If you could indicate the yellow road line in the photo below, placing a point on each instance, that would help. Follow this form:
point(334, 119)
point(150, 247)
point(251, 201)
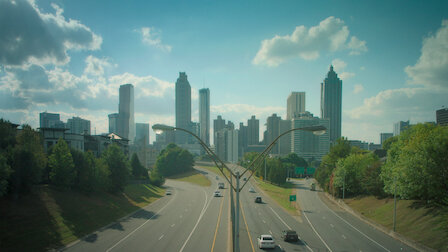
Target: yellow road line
point(217, 224)
point(247, 228)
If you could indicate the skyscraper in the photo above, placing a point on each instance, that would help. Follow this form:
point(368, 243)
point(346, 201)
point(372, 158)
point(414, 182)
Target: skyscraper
point(385, 136)
point(183, 107)
point(400, 127)
point(442, 116)
point(50, 120)
point(126, 125)
point(113, 123)
point(273, 131)
point(331, 103)
point(78, 125)
point(218, 124)
point(253, 131)
point(204, 115)
point(142, 134)
point(295, 104)
point(242, 139)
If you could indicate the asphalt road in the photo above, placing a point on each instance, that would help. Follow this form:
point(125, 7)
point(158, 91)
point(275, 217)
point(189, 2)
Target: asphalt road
point(190, 219)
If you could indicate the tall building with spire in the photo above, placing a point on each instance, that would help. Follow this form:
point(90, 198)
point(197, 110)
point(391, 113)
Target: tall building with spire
point(183, 107)
point(204, 115)
point(331, 103)
point(295, 104)
point(126, 125)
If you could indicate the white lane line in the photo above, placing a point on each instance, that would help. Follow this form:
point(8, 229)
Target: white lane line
point(343, 236)
point(204, 209)
point(264, 221)
point(172, 225)
point(160, 238)
point(270, 232)
point(354, 227)
point(278, 216)
point(124, 238)
point(323, 217)
point(259, 213)
point(181, 216)
point(331, 225)
point(306, 217)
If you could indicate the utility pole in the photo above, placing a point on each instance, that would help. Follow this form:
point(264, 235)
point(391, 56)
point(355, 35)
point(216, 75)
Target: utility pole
point(343, 188)
point(237, 215)
point(395, 201)
point(264, 178)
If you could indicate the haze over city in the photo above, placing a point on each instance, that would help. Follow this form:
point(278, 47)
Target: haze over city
point(71, 57)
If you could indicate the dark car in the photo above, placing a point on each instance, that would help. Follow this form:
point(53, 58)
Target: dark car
point(258, 199)
point(290, 235)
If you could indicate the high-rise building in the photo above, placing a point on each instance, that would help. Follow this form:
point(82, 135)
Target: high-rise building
point(385, 136)
point(183, 107)
point(204, 115)
point(78, 125)
point(113, 123)
point(285, 141)
point(304, 143)
point(126, 125)
point(50, 120)
point(442, 116)
point(253, 131)
point(295, 104)
point(272, 132)
point(227, 145)
point(400, 127)
point(142, 134)
point(218, 124)
point(331, 103)
point(242, 139)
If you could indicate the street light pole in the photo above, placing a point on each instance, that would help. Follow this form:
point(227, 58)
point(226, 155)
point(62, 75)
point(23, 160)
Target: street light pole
point(237, 214)
point(395, 201)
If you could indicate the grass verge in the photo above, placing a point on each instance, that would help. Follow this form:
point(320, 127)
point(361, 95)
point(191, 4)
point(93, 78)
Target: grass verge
point(49, 218)
point(280, 194)
point(414, 220)
point(215, 170)
point(194, 177)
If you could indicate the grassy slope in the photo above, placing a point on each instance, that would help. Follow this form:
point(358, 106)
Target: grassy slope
point(413, 219)
point(280, 194)
point(194, 177)
point(50, 218)
point(214, 169)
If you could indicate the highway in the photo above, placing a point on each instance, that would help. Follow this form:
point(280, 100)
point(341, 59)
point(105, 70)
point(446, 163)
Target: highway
point(190, 219)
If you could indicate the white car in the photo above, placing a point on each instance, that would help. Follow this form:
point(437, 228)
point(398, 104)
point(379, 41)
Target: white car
point(266, 241)
point(217, 194)
point(252, 190)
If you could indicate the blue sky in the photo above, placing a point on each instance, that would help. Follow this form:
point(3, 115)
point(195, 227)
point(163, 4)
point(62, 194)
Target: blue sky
point(70, 57)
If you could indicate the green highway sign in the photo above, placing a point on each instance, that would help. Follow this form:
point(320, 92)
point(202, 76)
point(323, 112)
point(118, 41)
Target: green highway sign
point(292, 197)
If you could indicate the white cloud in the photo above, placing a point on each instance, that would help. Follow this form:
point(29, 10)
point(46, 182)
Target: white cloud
point(358, 88)
point(95, 66)
point(40, 38)
point(431, 68)
point(151, 36)
point(339, 67)
point(330, 35)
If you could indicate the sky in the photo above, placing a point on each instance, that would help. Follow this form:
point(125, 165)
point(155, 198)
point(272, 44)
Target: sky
point(70, 57)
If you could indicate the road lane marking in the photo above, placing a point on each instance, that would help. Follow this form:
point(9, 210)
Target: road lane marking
point(343, 236)
point(264, 221)
point(323, 217)
point(181, 216)
point(172, 225)
point(270, 232)
point(331, 225)
point(124, 238)
point(306, 217)
point(354, 227)
point(247, 228)
point(160, 238)
point(217, 224)
point(204, 209)
point(259, 213)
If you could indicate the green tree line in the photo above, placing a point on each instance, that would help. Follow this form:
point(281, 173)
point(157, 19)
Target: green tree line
point(173, 160)
point(416, 166)
point(24, 163)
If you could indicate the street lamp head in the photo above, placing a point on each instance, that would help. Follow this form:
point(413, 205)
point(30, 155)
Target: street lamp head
point(159, 128)
point(317, 130)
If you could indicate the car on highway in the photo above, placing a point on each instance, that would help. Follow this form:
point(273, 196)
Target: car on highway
point(258, 199)
point(221, 185)
point(266, 241)
point(217, 194)
point(244, 179)
point(168, 192)
point(290, 235)
point(252, 190)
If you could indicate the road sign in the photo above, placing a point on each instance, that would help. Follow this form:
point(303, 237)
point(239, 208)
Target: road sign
point(292, 197)
point(299, 170)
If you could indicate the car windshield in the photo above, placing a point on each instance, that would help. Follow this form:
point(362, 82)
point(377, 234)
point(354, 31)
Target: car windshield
point(108, 107)
point(267, 238)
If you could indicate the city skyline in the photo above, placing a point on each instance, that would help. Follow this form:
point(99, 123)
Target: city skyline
point(393, 65)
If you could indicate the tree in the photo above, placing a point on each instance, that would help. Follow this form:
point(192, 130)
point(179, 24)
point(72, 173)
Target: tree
point(156, 179)
point(173, 160)
point(138, 170)
point(277, 172)
point(418, 163)
point(118, 166)
point(62, 168)
point(340, 150)
point(5, 172)
point(27, 161)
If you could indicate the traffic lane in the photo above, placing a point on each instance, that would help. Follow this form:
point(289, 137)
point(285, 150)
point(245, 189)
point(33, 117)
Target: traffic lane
point(223, 232)
point(170, 229)
point(263, 218)
point(104, 238)
point(342, 226)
